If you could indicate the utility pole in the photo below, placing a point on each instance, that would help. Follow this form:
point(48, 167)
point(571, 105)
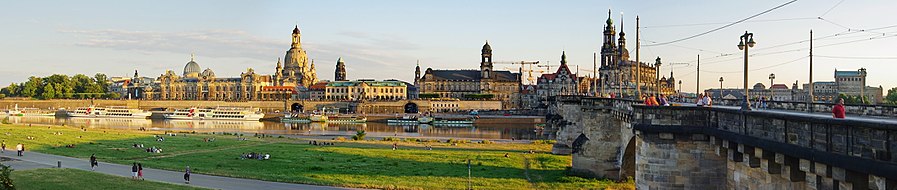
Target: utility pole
point(810, 101)
point(638, 65)
point(698, 81)
point(594, 74)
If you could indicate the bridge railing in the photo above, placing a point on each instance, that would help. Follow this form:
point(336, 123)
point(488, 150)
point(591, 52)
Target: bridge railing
point(866, 145)
point(854, 109)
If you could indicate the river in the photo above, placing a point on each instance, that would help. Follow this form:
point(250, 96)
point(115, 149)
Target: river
point(373, 129)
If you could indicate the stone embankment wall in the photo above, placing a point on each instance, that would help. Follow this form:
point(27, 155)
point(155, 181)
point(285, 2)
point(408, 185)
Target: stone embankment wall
point(267, 106)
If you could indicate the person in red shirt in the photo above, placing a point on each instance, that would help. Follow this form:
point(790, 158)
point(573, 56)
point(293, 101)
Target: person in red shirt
point(838, 109)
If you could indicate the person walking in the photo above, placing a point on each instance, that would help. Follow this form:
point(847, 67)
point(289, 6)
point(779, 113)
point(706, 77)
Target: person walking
point(707, 102)
point(663, 100)
point(134, 171)
point(93, 162)
point(187, 175)
point(139, 171)
point(700, 100)
point(3, 147)
point(838, 109)
point(19, 148)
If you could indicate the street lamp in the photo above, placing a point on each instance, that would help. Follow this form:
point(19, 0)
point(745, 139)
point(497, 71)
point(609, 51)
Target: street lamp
point(680, 87)
point(720, 88)
point(772, 93)
point(746, 42)
point(657, 75)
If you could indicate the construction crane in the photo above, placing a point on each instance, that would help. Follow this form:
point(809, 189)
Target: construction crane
point(529, 71)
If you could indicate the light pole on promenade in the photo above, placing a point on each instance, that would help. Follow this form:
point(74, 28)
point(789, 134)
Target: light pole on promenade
point(747, 41)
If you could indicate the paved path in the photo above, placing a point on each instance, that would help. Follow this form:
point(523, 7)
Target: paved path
point(40, 160)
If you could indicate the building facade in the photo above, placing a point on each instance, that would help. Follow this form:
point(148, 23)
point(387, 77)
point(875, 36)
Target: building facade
point(461, 84)
point(365, 90)
point(850, 83)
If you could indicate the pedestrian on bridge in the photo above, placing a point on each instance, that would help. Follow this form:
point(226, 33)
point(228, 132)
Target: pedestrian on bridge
point(838, 109)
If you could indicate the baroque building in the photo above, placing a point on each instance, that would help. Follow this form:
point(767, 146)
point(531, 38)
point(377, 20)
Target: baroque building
point(619, 75)
point(194, 83)
point(561, 82)
point(471, 84)
point(296, 70)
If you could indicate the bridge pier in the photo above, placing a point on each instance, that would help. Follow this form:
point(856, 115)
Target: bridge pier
point(721, 148)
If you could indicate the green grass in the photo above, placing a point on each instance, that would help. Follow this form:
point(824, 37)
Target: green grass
point(365, 164)
point(49, 178)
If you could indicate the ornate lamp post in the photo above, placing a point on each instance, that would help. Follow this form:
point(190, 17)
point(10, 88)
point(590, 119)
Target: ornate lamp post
point(720, 89)
point(772, 93)
point(747, 41)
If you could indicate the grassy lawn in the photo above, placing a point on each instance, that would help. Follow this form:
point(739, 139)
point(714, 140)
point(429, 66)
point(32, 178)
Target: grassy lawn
point(367, 164)
point(49, 178)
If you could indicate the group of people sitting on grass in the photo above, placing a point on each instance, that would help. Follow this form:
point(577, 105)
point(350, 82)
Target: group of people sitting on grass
point(70, 146)
point(320, 143)
point(137, 145)
point(154, 150)
point(57, 133)
point(257, 156)
point(208, 139)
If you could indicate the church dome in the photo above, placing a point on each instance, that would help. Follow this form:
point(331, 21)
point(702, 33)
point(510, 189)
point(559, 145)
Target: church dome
point(208, 72)
point(191, 68)
point(487, 48)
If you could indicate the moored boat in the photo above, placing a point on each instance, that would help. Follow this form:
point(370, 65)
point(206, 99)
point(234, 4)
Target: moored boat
point(109, 112)
point(345, 119)
point(219, 113)
point(29, 112)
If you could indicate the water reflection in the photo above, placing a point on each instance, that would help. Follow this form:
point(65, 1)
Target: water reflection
point(497, 131)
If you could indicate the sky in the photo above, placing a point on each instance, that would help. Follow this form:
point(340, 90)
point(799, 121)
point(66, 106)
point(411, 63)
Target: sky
point(384, 39)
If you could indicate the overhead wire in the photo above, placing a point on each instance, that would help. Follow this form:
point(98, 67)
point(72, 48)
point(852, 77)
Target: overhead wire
point(725, 26)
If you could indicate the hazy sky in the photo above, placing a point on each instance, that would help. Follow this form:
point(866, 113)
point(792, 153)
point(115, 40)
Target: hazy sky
point(383, 39)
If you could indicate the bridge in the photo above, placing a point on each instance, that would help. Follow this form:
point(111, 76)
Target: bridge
point(690, 147)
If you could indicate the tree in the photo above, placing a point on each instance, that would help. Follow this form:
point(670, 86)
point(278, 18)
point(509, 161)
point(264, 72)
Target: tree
point(49, 92)
point(5, 180)
point(892, 95)
point(11, 91)
point(101, 80)
point(82, 83)
point(32, 88)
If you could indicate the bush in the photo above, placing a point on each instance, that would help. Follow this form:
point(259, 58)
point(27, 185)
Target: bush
point(459, 141)
point(411, 140)
point(6, 120)
point(359, 136)
point(340, 138)
point(544, 141)
point(5, 181)
point(486, 142)
point(391, 139)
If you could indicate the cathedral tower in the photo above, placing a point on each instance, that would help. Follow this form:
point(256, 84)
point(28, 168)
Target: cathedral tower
point(340, 74)
point(296, 70)
point(486, 62)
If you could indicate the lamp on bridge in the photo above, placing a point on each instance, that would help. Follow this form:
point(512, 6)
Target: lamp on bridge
point(720, 89)
point(747, 41)
point(772, 93)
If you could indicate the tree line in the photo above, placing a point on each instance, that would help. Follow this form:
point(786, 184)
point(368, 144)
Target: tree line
point(59, 86)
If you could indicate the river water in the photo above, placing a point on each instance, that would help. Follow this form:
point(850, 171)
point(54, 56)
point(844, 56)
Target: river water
point(373, 129)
